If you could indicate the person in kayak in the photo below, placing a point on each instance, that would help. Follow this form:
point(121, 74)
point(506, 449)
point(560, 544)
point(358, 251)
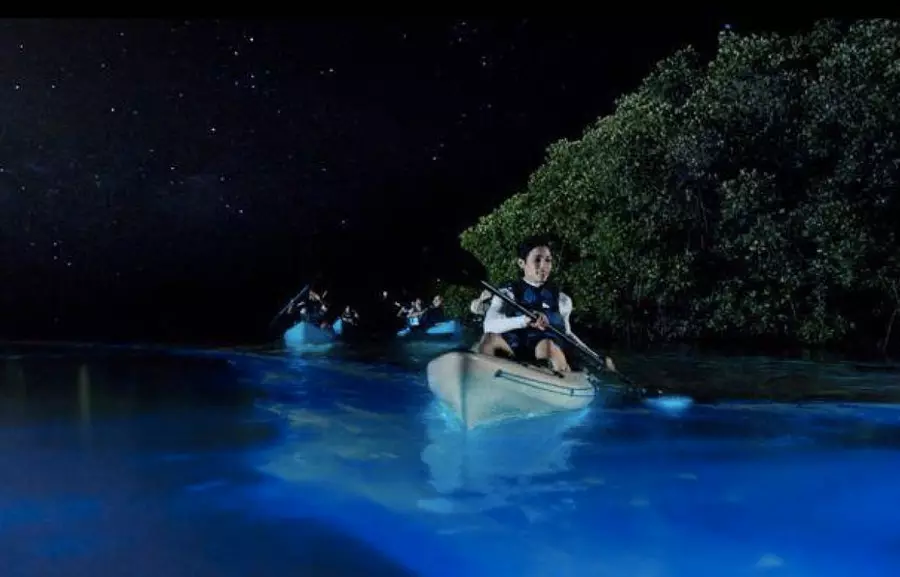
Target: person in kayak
point(414, 313)
point(507, 332)
point(434, 313)
point(350, 316)
point(312, 309)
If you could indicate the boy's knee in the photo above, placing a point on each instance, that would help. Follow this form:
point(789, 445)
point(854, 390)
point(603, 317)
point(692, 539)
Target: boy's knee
point(489, 338)
point(490, 342)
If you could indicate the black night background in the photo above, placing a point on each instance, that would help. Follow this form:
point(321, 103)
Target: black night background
point(178, 180)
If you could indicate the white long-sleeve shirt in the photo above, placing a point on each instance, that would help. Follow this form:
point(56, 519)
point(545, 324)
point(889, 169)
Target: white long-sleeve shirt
point(497, 322)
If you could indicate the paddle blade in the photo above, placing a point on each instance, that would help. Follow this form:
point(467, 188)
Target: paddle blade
point(674, 404)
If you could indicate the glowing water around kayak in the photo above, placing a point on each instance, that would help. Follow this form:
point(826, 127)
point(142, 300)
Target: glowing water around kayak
point(126, 463)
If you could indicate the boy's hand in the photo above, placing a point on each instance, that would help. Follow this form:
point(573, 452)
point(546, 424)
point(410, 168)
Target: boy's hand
point(540, 323)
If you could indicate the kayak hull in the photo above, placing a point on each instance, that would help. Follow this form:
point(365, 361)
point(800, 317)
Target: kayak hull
point(481, 389)
point(306, 334)
point(451, 328)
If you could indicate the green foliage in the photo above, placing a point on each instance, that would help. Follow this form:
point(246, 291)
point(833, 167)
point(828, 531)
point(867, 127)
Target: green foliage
point(457, 299)
point(751, 195)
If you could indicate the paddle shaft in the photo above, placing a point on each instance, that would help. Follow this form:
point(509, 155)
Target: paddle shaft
point(568, 338)
point(288, 305)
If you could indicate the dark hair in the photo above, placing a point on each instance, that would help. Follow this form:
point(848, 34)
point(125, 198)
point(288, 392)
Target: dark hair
point(531, 243)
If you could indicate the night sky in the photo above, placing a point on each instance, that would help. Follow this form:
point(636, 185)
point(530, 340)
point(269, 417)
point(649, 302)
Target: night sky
point(178, 180)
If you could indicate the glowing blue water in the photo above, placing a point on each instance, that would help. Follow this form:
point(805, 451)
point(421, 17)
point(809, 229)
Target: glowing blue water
point(292, 466)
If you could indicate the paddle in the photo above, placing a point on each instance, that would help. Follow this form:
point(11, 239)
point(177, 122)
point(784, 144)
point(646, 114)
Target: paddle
point(671, 403)
point(289, 304)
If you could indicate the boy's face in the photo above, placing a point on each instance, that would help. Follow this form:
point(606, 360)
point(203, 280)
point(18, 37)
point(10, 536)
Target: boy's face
point(537, 266)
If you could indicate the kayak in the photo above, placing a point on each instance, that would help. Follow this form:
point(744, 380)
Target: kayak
point(445, 328)
point(451, 327)
point(482, 388)
point(305, 334)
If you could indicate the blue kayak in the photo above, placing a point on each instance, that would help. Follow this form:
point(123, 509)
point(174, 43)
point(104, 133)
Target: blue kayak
point(451, 328)
point(305, 334)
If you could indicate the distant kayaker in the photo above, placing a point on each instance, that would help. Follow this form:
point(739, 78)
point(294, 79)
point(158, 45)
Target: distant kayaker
point(507, 332)
point(434, 313)
point(312, 309)
point(413, 313)
point(350, 316)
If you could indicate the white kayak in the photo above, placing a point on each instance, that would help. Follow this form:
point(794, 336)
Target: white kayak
point(305, 334)
point(482, 388)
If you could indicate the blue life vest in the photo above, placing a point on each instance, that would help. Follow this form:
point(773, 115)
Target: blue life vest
point(543, 299)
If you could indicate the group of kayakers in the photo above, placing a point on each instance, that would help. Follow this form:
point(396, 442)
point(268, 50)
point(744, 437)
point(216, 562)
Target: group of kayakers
point(419, 315)
point(312, 306)
point(506, 330)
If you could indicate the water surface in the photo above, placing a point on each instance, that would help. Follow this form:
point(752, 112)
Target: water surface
point(148, 462)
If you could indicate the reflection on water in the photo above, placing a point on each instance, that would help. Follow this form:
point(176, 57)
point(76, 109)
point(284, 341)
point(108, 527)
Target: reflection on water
point(122, 465)
point(494, 463)
point(739, 488)
point(221, 463)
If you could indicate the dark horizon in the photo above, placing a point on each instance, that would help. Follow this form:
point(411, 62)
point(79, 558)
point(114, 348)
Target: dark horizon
point(172, 181)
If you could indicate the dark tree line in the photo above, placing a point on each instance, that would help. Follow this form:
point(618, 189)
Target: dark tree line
point(754, 195)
